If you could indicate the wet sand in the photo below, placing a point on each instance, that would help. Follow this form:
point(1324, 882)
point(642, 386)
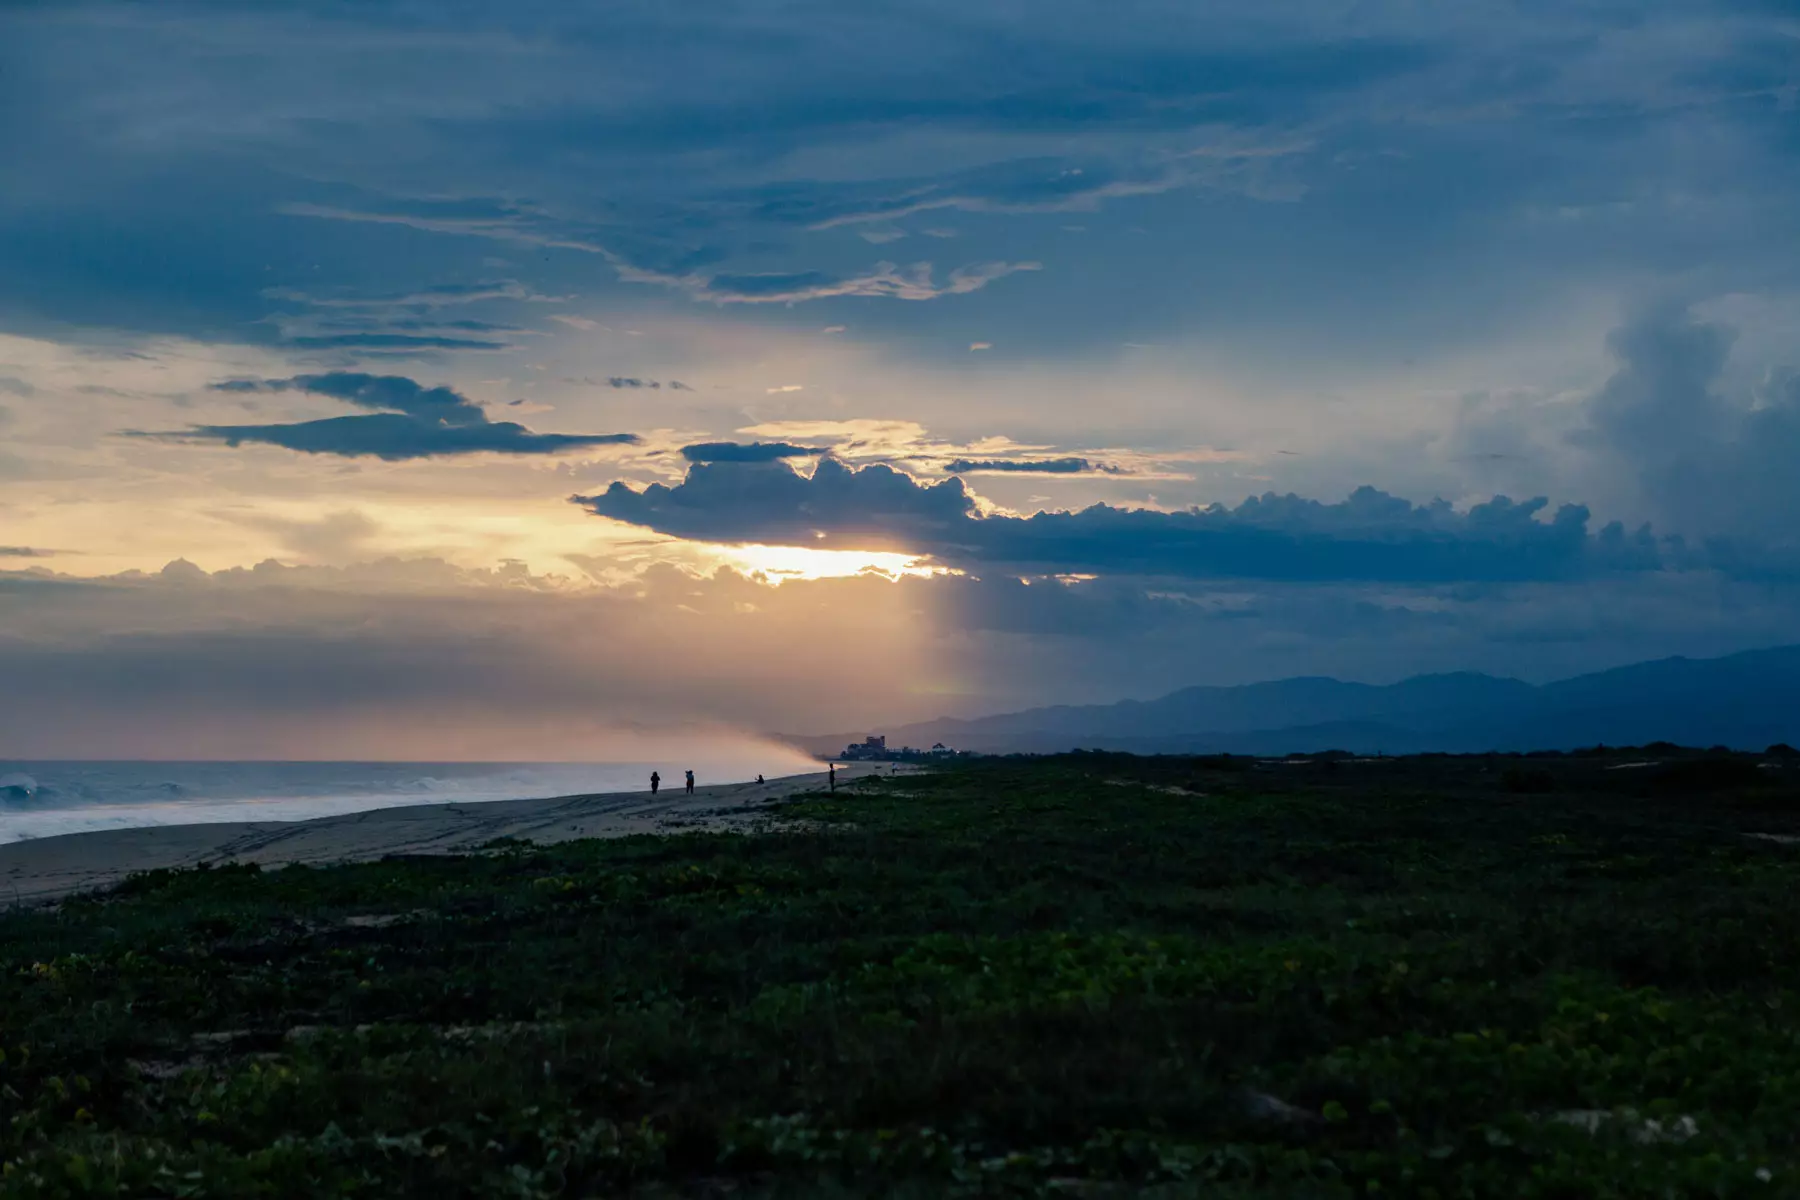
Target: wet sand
point(45, 869)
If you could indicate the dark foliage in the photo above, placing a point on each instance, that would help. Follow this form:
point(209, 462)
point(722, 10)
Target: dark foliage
point(1525, 782)
point(1714, 773)
point(1089, 976)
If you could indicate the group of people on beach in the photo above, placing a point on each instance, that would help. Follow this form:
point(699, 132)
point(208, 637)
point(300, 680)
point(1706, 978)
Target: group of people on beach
point(656, 782)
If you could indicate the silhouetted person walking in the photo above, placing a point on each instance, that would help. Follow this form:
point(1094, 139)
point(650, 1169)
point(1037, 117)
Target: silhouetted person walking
point(655, 782)
point(690, 781)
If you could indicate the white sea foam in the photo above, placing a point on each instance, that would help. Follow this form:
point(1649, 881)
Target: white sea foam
point(43, 799)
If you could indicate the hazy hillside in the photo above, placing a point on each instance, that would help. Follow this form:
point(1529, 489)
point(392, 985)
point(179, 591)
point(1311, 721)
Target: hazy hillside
point(1745, 700)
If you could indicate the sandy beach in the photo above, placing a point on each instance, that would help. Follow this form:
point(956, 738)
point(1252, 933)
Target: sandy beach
point(45, 869)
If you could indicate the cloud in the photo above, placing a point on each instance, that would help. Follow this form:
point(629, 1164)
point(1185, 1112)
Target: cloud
point(412, 421)
point(423, 660)
point(625, 381)
point(885, 279)
point(753, 452)
point(24, 552)
point(1472, 175)
point(437, 296)
point(397, 438)
point(505, 225)
point(1660, 403)
point(1043, 466)
point(1719, 464)
point(876, 508)
point(334, 537)
point(391, 341)
point(1371, 536)
point(865, 436)
point(384, 393)
point(465, 325)
point(17, 387)
point(915, 282)
point(1039, 191)
point(747, 145)
point(399, 321)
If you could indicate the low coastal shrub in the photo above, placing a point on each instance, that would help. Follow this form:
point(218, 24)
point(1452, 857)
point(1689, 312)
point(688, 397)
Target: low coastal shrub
point(1527, 782)
point(1082, 976)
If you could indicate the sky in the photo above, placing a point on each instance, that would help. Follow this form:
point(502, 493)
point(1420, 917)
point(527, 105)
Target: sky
point(467, 379)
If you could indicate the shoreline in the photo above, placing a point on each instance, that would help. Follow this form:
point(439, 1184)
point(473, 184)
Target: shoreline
point(43, 870)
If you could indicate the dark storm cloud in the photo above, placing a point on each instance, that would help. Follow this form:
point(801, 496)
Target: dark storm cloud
point(633, 383)
point(410, 421)
point(734, 160)
point(746, 452)
point(1021, 81)
point(395, 438)
point(1369, 536)
point(1025, 466)
point(874, 508)
point(385, 393)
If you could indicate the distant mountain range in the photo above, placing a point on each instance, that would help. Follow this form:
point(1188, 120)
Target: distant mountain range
point(1746, 701)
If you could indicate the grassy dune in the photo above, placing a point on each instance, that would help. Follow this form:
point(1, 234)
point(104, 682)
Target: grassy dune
point(1085, 976)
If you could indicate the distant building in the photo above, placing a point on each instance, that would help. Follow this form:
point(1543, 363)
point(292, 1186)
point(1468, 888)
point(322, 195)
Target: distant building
point(874, 748)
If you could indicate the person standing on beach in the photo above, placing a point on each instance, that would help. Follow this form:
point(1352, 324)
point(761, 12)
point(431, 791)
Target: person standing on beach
point(690, 782)
point(834, 777)
point(655, 782)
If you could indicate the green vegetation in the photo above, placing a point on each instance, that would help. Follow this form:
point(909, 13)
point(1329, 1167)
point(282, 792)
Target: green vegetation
point(1085, 976)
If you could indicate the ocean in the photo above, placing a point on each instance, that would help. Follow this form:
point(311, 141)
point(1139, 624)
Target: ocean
point(43, 799)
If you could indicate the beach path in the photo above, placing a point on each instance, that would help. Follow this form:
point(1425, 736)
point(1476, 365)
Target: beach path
point(45, 869)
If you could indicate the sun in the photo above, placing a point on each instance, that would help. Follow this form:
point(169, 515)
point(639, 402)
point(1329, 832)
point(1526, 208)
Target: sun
point(779, 563)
